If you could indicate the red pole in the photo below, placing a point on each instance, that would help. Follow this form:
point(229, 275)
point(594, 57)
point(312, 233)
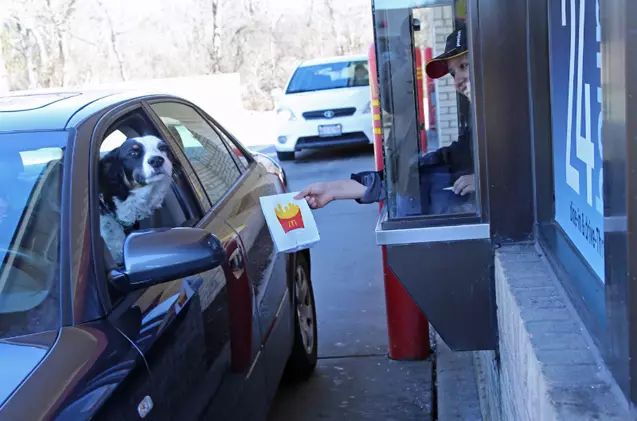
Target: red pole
point(431, 91)
point(407, 327)
point(421, 100)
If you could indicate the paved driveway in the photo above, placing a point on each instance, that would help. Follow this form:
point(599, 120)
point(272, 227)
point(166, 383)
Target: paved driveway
point(354, 379)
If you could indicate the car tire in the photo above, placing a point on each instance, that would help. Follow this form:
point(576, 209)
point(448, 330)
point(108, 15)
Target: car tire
point(285, 156)
point(302, 361)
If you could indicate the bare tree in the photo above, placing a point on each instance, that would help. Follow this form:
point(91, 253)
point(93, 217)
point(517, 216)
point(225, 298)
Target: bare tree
point(114, 41)
point(46, 43)
point(215, 45)
point(60, 23)
point(5, 83)
point(331, 13)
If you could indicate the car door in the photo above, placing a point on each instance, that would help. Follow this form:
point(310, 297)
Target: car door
point(181, 327)
point(234, 190)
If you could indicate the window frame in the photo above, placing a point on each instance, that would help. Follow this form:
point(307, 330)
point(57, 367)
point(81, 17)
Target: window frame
point(456, 222)
point(585, 289)
point(605, 307)
point(194, 178)
point(101, 130)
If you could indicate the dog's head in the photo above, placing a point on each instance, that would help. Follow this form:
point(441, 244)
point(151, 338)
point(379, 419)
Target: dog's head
point(138, 162)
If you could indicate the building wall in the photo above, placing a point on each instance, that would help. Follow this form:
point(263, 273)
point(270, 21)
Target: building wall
point(548, 367)
point(446, 99)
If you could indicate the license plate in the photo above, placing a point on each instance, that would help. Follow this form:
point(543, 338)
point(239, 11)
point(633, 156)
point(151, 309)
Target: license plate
point(330, 130)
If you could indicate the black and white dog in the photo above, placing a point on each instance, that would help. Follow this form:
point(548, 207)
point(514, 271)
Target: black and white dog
point(134, 180)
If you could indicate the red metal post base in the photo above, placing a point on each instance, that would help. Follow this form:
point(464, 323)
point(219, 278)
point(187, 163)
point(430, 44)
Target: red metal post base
point(407, 326)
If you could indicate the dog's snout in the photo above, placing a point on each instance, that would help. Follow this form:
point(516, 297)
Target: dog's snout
point(156, 161)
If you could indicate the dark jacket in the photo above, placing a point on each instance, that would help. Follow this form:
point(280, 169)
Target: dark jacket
point(455, 159)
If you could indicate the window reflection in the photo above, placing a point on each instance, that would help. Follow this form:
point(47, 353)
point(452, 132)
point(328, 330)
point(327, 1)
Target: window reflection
point(425, 97)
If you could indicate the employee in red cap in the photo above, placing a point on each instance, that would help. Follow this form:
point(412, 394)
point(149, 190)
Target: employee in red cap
point(456, 159)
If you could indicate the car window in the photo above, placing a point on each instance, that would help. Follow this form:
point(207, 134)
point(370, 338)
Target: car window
point(131, 145)
point(30, 190)
point(321, 77)
point(210, 158)
point(239, 157)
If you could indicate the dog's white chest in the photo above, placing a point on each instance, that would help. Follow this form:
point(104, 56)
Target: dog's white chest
point(141, 203)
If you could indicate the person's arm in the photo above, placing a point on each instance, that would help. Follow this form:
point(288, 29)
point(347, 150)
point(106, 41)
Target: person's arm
point(364, 187)
point(374, 182)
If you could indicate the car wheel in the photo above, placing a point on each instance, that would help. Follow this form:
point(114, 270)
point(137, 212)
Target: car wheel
point(305, 349)
point(285, 156)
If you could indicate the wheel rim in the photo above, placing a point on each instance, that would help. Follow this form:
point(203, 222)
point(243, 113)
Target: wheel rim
point(305, 309)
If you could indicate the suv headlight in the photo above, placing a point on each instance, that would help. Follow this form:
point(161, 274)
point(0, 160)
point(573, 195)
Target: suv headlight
point(368, 108)
point(285, 114)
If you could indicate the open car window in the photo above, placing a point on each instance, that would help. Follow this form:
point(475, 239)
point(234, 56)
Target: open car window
point(31, 168)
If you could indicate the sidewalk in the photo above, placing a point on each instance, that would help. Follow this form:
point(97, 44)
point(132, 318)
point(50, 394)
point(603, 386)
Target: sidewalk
point(456, 385)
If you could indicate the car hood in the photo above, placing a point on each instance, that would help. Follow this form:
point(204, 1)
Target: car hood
point(328, 99)
point(19, 357)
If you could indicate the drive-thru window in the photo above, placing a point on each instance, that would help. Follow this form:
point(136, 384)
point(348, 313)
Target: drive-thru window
point(540, 136)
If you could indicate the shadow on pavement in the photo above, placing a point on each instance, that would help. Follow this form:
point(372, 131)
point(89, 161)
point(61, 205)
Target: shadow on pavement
point(318, 155)
point(359, 389)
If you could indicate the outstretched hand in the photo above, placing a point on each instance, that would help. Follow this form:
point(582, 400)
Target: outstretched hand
point(319, 195)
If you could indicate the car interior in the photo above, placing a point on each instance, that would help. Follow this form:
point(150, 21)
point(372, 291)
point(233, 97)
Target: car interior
point(29, 245)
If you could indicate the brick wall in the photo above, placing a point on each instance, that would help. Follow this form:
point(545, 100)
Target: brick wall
point(549, 368)
point(446, 100)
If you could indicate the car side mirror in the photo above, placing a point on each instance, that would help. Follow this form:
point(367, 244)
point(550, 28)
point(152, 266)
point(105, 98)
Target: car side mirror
point(162, 255)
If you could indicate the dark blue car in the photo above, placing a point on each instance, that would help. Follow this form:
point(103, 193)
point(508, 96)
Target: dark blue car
point(203, 318)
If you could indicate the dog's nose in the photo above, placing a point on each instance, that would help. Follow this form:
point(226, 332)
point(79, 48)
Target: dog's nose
point(156, 161)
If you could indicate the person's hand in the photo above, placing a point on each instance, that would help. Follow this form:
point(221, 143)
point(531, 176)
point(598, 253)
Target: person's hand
point(465, 185)
point(320, 194)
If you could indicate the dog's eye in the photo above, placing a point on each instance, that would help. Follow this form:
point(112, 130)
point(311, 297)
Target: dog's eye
point(135, 152)
point(163, 148)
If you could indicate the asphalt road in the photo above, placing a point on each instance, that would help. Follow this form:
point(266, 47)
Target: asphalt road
point(354, 379)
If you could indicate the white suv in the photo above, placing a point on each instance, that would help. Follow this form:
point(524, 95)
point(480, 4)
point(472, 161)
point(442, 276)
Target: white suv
point(326, 103)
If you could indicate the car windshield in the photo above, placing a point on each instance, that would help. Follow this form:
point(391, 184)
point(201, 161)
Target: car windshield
point(30, 189)
point(329, 76)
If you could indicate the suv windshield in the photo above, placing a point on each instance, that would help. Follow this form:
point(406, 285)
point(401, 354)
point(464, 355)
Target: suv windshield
point(30, 190)
point(329, 76)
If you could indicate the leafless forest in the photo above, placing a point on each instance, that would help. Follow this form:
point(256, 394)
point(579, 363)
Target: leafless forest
point(63, 43)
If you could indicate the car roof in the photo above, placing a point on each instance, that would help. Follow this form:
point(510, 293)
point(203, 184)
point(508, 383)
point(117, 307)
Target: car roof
point(333, 59)
point(53, 109)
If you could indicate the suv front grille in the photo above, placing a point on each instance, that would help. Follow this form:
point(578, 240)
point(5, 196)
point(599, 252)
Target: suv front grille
point(320, 114)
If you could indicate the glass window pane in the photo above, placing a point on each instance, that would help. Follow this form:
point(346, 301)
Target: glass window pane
point(576, 109)
point(425, 97)
point(340, 74)
point(31, 168)
point(209, 156)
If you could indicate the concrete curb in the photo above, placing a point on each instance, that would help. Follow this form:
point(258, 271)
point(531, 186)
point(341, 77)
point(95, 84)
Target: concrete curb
point(457, 389)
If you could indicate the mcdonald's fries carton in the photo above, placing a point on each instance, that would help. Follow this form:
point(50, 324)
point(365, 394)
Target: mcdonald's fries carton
point(290, 222)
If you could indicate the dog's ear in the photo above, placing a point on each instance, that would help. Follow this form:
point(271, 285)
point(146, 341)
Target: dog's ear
point(108, 165)
point(112, 177)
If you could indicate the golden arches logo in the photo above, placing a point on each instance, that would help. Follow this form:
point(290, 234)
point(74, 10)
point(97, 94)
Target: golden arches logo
point(290, 218)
